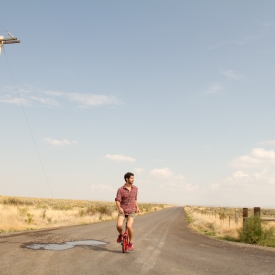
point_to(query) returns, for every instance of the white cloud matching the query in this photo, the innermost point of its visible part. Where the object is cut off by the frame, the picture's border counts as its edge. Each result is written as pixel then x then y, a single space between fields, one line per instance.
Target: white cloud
pixel 102 187
pixel 138 171
pixel 119 158
pixel 32 96
pixel 253 181
pixel 215 88
pixel 257 158
pixel 262 153
pixel 231 74
pixel 246 181
pixel 57 142
pixel 239 174
pixel 161 173
pixel 170 181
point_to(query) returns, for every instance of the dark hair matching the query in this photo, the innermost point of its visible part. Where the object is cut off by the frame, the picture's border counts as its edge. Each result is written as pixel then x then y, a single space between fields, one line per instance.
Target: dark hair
pixel 128 175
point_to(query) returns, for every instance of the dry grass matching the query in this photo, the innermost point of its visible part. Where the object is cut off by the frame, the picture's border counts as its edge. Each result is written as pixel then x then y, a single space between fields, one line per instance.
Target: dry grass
pixel 221 222
pixel 19 213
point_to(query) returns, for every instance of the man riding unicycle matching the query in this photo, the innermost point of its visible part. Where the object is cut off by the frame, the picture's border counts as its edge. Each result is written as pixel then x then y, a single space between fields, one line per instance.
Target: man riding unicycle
pixel 126 202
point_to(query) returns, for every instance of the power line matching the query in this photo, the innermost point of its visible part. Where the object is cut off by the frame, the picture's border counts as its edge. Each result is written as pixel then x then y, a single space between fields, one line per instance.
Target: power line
pixel 22 106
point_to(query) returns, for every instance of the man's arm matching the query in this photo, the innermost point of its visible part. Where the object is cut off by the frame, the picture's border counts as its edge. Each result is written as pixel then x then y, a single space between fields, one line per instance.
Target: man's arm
pixel 120 210
pixel 136 203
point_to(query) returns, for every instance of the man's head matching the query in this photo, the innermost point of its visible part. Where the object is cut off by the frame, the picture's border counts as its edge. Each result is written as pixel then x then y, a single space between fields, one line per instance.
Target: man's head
pixel 129 177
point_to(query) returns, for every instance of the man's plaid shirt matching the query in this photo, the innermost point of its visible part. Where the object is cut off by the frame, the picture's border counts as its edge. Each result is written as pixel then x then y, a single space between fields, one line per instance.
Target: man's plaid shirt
pixel 127 198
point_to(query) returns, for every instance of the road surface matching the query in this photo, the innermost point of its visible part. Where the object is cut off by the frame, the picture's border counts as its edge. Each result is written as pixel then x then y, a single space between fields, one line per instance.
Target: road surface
pixel 163 244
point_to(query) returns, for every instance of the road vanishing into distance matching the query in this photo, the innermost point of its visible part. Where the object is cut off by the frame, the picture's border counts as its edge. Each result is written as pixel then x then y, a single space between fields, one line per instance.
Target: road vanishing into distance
pixel 163 244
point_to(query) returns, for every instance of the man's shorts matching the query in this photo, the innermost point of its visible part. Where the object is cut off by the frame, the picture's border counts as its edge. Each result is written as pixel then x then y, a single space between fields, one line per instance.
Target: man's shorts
pixel 132 215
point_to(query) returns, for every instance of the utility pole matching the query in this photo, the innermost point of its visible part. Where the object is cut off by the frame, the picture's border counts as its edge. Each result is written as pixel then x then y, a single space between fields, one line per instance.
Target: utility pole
pixel 10 40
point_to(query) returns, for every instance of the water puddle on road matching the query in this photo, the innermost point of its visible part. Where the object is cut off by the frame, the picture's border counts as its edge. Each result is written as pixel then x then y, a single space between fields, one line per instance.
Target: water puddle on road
pixel 63 246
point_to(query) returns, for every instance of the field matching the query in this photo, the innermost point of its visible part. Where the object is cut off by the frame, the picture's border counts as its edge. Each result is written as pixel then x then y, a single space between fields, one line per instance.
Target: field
pixel 227 223
pixel 19 213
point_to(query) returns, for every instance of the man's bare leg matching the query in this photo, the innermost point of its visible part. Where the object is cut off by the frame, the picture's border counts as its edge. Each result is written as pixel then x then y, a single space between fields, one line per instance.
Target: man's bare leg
pixel 119 225
pixel 130 228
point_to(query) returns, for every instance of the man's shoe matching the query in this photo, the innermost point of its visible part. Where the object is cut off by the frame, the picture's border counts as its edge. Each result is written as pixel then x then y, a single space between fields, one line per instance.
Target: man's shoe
pixel 130 246
pixel 119 239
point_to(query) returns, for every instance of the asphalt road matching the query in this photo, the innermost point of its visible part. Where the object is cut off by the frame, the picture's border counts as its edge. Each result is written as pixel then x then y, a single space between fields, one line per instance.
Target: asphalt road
pixel 163 245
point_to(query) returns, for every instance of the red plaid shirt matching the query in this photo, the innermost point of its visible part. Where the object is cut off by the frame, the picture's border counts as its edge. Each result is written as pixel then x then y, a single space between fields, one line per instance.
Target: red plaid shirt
pixel 127 198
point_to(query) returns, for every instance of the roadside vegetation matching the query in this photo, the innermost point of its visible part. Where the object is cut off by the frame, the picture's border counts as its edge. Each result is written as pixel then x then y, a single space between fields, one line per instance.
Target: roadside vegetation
pixel 20 213
pixel 227 224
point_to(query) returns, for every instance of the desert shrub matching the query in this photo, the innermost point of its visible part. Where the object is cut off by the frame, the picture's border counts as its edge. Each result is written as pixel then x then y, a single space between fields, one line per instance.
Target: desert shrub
pixel 222 215
pixel 22 211
pixel 81 213
pixel 43 214
pixel 104 209
pixel 29 219
pixel 91 210
pixel 41 206
pixel 253 232
pixel 16 201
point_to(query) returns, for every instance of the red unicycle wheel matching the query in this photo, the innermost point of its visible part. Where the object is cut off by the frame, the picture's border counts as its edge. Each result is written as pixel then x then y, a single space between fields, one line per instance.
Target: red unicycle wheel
pixel 125 242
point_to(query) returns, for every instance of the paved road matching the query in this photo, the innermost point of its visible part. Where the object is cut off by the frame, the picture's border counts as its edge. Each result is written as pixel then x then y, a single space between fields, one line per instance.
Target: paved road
pixel 163 245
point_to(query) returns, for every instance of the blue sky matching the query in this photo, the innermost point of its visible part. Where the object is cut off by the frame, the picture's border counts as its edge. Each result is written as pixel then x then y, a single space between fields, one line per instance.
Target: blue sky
pixel 179 92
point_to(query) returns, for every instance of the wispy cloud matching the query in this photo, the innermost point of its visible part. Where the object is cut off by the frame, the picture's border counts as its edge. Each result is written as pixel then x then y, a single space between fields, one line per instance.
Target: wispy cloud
pixel 247 39
pixel 92 100
pixel 230 74
pixel 267 142
pixel 57 142
pixel 119 158
pixel 15 100
pixel 31 96
pixel 214 89
pixel 267 26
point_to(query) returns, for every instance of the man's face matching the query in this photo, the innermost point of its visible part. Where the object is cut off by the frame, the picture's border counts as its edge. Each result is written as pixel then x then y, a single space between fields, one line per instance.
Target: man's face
pixel 130 180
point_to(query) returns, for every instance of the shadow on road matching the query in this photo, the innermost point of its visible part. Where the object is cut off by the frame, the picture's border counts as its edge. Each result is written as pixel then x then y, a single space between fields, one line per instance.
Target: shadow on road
pixel 100 248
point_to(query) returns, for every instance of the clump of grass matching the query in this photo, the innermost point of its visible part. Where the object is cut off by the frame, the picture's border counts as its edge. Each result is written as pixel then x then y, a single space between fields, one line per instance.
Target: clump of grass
pixel 62 207
pixel 188 217
pixel 255 232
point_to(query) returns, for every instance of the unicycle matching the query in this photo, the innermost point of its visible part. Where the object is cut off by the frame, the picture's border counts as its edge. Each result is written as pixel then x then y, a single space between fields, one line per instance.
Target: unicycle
pixel 125 237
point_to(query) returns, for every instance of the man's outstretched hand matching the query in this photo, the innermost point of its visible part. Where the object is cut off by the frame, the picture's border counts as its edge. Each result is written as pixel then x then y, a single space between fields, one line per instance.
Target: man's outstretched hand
pixel 121 211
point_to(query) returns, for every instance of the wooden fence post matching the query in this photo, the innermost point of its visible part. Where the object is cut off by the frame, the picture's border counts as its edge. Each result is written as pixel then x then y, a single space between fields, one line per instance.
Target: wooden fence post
pixel 257 211
pixel 236 217
pixel 245 214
